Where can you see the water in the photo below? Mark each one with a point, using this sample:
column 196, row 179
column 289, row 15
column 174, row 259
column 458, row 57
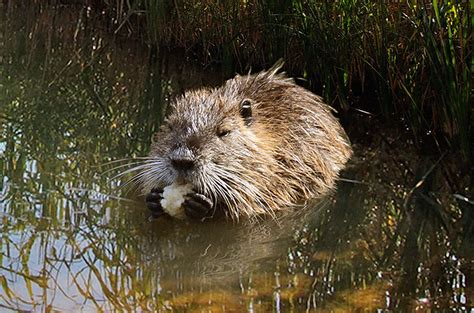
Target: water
column 396, row 235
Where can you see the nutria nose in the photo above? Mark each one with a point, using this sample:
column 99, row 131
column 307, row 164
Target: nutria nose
column 182, row 164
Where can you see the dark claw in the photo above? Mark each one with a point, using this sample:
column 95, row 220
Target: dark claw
column 153, row 202
column 201, row 199
column 157, row 190
column 153, row 197
column 157, row 214
column 198, row 206
column 154, row 206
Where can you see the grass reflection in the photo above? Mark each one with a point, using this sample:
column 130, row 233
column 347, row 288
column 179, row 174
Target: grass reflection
column 405, row 240
column 67, row 109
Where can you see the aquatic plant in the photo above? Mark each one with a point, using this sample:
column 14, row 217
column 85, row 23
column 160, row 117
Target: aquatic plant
column 403, row 60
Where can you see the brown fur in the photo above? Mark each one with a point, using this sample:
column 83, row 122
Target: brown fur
column 292, row 151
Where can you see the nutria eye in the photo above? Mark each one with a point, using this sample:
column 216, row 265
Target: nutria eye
column 223, row 132
column 246, row 111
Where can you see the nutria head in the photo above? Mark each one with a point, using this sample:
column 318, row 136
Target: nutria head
column 258, row 144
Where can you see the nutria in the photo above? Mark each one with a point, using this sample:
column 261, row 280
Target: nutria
column 257, row 145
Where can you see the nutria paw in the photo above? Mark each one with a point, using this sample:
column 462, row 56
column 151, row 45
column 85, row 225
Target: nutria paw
column 153, row 202
column 198, row 206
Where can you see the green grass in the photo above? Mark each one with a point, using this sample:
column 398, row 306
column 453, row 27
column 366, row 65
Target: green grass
column 412, row 60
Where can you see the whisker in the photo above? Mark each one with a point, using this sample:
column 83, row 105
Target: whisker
column 125, row 165
column 124, row 159
column 149, row 166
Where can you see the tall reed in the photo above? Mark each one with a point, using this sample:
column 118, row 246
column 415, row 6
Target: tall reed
column 410, row 60
column 413, row 59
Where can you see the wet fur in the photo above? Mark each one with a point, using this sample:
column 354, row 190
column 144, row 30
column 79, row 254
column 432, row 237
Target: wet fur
column 292, row 151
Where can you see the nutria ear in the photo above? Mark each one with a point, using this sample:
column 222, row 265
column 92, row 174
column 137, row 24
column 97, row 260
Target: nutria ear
column 246, row 111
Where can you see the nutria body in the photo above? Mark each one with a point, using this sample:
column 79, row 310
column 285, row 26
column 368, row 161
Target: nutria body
column 256, row 145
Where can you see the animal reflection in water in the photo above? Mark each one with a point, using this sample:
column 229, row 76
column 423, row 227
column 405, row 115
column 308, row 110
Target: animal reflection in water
column 215, row 251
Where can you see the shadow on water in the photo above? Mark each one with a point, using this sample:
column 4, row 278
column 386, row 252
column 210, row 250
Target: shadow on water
column 396, row 235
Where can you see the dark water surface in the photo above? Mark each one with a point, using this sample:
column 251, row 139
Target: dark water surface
column 397, row 234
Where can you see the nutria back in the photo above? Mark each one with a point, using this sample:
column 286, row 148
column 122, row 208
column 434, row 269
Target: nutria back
column 256, row 145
